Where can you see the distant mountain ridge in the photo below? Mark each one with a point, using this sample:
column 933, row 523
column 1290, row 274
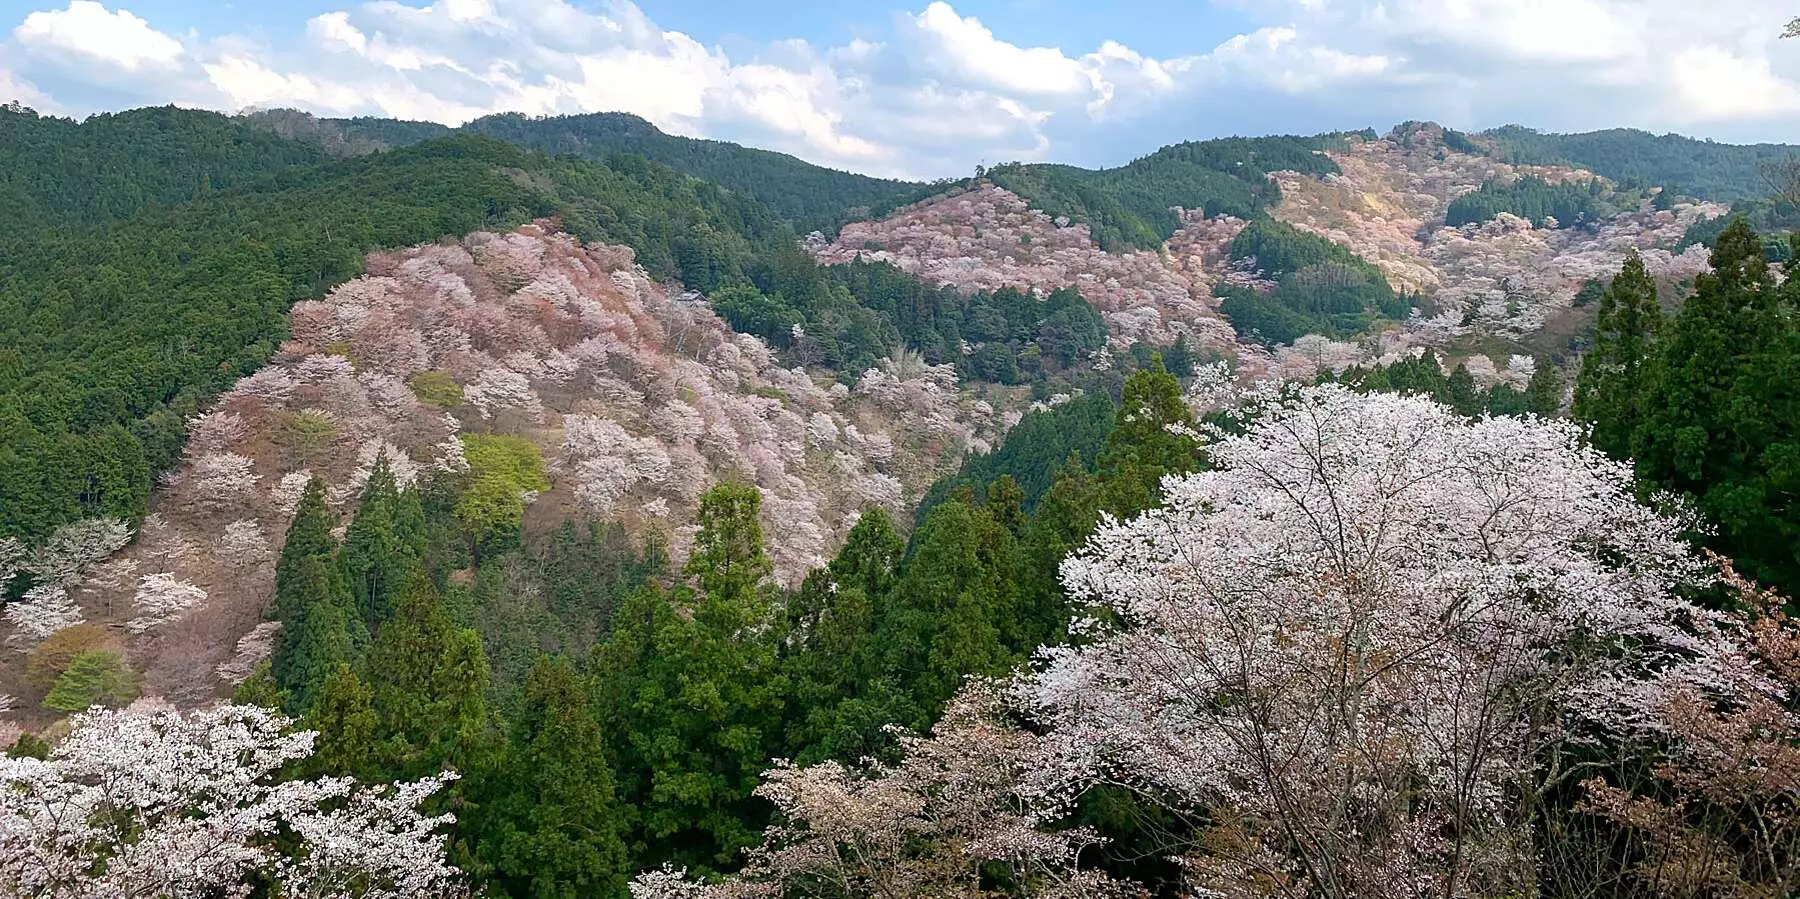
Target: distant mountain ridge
column 808, row 195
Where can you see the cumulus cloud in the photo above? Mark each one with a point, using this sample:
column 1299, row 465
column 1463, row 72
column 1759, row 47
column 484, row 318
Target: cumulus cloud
column 928, row 91
column 88, row 29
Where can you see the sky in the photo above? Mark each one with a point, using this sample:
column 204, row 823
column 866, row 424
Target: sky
column 932, row 88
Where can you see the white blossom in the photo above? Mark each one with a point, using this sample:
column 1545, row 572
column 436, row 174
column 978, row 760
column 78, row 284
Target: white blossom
column 159, row 597
column 148, row 802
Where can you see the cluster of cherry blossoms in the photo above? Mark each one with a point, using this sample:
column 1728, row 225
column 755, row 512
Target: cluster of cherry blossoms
column 987, row 238
column 638, row 396
column 147, row 801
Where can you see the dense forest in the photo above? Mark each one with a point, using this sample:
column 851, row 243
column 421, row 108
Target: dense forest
column 1570, row 204
column 1131, row 206
column 1386, row 630
column 1699, row 168
column 113, row 335
column 808, row 195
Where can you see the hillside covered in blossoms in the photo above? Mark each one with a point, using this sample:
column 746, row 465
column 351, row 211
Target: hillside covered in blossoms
column 393, row 511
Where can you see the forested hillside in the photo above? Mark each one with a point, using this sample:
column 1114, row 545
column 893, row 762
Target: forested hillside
column 1697, row 168
column 808, row 195
column 394, row 514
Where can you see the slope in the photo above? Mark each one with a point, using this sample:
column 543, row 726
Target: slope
column 57, row 173
column 1697, row 168
column 808, row 195
column 111, row 337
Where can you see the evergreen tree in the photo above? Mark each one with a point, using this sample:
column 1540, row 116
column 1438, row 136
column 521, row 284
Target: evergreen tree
column 430, row 695
column 1609, row 391
column 551, row 825
column 1544, row 394
column 314, row 608
column 1461, row 393
column 1152, row 437
column 955, row 610
column 839, row 698
column 1717, row 420
column 343, row 712
column 691, row 681
column 386, row 537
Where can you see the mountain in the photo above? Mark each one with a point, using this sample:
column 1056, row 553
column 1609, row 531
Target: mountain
column 1698, row 168
column 60, row 174
column 809, row 195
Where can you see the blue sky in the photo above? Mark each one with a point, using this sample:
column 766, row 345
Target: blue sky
column 929, row 88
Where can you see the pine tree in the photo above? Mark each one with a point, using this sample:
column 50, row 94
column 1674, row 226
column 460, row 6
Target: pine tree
column 1609, row 390
column 551, row 825
column 320, row 643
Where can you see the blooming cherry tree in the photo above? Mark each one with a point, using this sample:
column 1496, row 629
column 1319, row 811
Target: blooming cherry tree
column 161, row 597
column 149, row 802
column 1361, row 639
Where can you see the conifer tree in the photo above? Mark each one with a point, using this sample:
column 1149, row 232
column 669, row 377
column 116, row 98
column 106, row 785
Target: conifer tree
column 343, row 712
column 386, row 537
column 1151, row 438
column 955, row 611
column 1609, row 391
column 691, row 681
column 1544, row 393
column 838, row 695
column 551, row 825
column 431, row 692
column 314, row 608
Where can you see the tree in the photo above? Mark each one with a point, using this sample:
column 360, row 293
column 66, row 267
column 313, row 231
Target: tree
column 1360, row 644
column 386, row 537
column 551, row 826
column 430, row 695
column 1153, row 435
column 1545, row 391
column 160, row 597
column 96, row 677
column 949, row 819
column 691, row 682
column 1610, row 390
column 343, row 714
column 142, row 803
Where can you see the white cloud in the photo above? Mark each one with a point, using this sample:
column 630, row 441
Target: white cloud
column 936, row 91
column 88, row 29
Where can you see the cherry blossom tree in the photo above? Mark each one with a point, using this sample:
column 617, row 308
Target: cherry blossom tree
column 149, row 802
column 930, row 825
column 1359, row 644
column 160, row 597
column 252, row 649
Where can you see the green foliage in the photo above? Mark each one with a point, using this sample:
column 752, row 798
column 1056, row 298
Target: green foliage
column 1153, row 436
column 1321, row 287
column 1700, row 168
column 1130, row 206
column 691, row 683
column 1704, row 403
column 429, row 683
column 320, row 626
column 1571, row 203
column 1611, row 388
column 62, row 174
column 549, row 824
column 1032, row 452
column 809, row 195
column 385, row 539
column 502, row 469
column 96, row 677
column 344, row 715
column 436, row 388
